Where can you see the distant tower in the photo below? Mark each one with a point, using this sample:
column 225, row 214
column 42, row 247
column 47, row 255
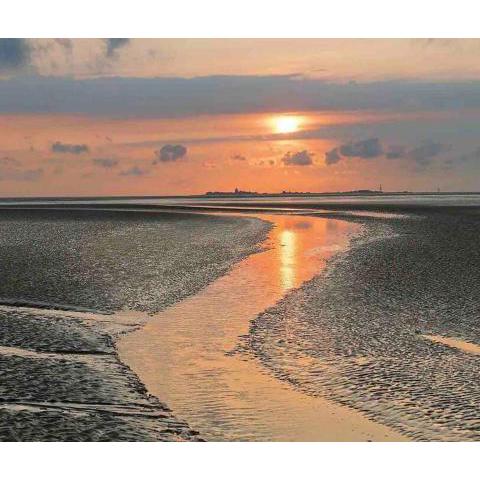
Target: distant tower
column 380, row 188
column 236, row 190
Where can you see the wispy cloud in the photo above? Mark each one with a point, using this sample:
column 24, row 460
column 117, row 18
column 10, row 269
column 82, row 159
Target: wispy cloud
column 11, row 170
column 424, row 153
column 134, row 171
column 105, row 162
column 75, row 149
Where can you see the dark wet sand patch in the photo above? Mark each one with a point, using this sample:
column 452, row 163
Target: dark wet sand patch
column 62, row 381
column 107, row 261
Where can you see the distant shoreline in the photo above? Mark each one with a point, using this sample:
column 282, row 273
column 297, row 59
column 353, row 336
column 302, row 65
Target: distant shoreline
column 233, row 195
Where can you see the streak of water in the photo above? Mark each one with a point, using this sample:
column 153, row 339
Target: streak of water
column 182, row 354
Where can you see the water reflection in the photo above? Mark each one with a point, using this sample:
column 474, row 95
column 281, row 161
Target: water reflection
column 287, row 259
column 182, row 355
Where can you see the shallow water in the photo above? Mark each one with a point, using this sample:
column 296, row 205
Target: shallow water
column 187, row 356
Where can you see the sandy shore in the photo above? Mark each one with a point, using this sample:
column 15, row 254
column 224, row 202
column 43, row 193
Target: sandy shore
column 62, row 379
column 397, row 315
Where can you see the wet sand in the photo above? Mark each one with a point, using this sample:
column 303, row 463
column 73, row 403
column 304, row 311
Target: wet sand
column 63, row 275
column 62, row 381
column 404, row 280
column 382, row 344
column 190, row 356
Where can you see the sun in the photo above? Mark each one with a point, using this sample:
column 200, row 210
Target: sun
column 286, row 123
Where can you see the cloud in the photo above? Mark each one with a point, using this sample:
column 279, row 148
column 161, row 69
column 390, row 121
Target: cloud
column 395, row 151
column 472, row 156
column 301, row 158
column 75, row 149
column 373, row 148
column 424, row 153
column 170, row 153
column 114, row 44
column 29, row 175
column 241, row 158
column 105, row 162
column 231, row 94
column 11, row 171
column 14, row 53
column 133, row 172
column 369, row 148
column 332, row 156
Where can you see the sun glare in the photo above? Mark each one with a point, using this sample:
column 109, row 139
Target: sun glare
column 286, row 124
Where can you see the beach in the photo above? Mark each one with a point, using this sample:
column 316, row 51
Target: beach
column 324, row 322
column 69, row 281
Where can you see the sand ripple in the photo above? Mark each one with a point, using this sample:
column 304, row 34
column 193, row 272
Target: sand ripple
column 355, row 335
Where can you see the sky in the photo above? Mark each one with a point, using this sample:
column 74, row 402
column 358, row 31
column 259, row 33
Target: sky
column 185, row 116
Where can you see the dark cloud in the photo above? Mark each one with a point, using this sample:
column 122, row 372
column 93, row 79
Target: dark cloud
column 424, row 153
column 170, row 153
column 369, row 148
column 300, row 159
column 227, row 94
column 113, row 44
column 105, row 162
column 332, row 156
column 76, row 149
column 14, row 53
column 239, row 157
column 372, row 148
column 396, row 151
column 133, row 172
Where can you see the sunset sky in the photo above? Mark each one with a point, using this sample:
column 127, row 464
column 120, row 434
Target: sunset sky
column 183, row 116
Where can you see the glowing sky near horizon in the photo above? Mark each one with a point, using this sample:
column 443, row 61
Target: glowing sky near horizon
column 166, row 117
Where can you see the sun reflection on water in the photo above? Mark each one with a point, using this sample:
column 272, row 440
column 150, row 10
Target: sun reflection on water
column 287, row 259
column 186, row 354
